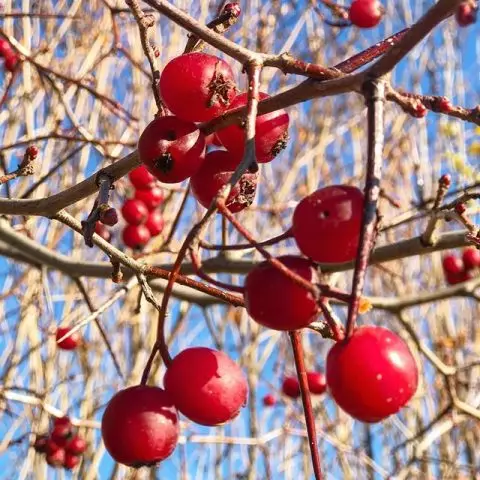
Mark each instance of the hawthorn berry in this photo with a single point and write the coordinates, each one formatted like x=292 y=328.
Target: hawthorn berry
x=141 y=178
x=136 y=236
x=155 y=223
x=372 y=374
x=275 y=301
x=61 y=434
x=109 y=217
x=317 y=383
x=206 y=385
x=102 y=231
x=140 y=426
x=471 y=258
x=215 y=173
x=5 y=48
x=205 y=90
x=327 y=223
x=269 y=400
x=71 y=461
x=56 y=459
x=271 y=132
x=172 y=149
x=291 y=387
x=134 y=212
x=11 y=61
x=76 y=445
x=466 y=13
x=365 y=13
x=51 y=446
x=40 y=444
x=152 y=198
x=64 y=421
x=71 y=342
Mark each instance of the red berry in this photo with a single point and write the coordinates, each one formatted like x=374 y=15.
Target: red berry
x=109 y=217
x=317 y=383
x=11 y=61
x=366 y=13
x=291 y=387
x=140 y=426
x=326 y=224
x=420 y=110
x=454 y=278
x=40 y=444
x=136 y=236
x=233 y=9
x=205 y=90
x=5 y=48
x=269 y=400
x=141 y=178
x=444 y=105
x=152 y=198
x=270 y=137
x=172 y=149
x=134 y=212
x=275 y=301
x=452 y=264
x=76 y=446
x=155 y=223
x=471 y=258
x=71 y=342
x=71 y=461
x=216 y=172
x=466 y=14
x=51 y=446
x=102 y=231
x=61 y=434
x=65 y=420
x=56 y=459
x=206 y=386
x=372 y=374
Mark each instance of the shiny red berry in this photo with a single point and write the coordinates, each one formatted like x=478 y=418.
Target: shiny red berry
x=275 y=301
x=452 y=264
x=206 y=385
x=155 y=223
x=5 y=48
x=466 y=13
x=326 y=224
x=134 y=212
x=317 y=382
x=152 y=198
x=102 y=231
x=136 y=236
x=109 y=217
x=141 y=178
x=271 y=133
x=291 y=387
x=51 y=446
x=61 y=434
x=71 y=342
x=471 y=258
x=172 y=149
x=56 y=459
x=366 y=13
x=71 y=461
x=205 y=90
x=140 y=426
x=215 y=173
x=62 y=421
x=76 y=445
x=11 y=61
x=372 y=374
x=269 y=400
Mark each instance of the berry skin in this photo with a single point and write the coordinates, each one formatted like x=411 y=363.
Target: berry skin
x=317 y=383
x=151 y=198
x=172 y=149
x=205 y=90
x=64 y=421
x=51 y=446
x=141 y=178
x=206 y=386
x=275 y=301
x=134 y=212
x=466 y=14
x=271 y=132
x=109 y=217
x=76 y=446
x=71 y=461
x=136 y=236
x=291 y=387
x=326 y=224
x=56 y=459
x=372 y=374
x=452 y=264
x=11 y=61
x=216 y=172
x=40 y=444
x=71 y=342
x=155 y=223
x=102 y=231
x=471 y=258
x=5 y=48
x=61 y=434
x=365 y=13
x=140 y=426
x=269 y=400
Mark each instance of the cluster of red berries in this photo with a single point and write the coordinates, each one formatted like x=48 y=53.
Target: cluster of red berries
x=143 y=217
x=365 y=13
x=461 y=269
x=62 y=447
x=10 y=58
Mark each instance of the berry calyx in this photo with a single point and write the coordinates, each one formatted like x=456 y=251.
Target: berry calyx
x=155 y=223
x=152 y=198
x=69 y=343
x=232 y=9
x=71 y=461
x=269 y=400
x=136 y=236
x=140 y=426
x=61 y=434
x=326 y=224
x=206 y=385
x=317 y=382
x=372 y=374
x=215 y=173
x=291 y=387
x=134 y=212
x=275 y=301
x=471 y=258
x=205 y=90
x=62 y=421
x=172 y=149
x=141 y=178
x=365 y=13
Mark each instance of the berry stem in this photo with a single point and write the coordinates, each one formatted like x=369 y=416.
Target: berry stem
x=245 y=246
x=374 y=92
x=296 y=340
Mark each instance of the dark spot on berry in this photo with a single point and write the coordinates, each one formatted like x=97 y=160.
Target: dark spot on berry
x=280 y=145
x=164 y=163
x=253 y=167
x=170 y=135
x=325 y=214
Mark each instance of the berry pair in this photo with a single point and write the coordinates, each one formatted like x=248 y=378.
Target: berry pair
x=317 y=384
x=62 y=447
x=458 y=269
x=10 y=58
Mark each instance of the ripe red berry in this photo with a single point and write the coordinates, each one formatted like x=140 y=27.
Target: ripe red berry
x=326 y=224
x=366 y=13
x=102 y=231
x=444 y=105
x=216 y=172
x=471 y=258
x=420 y=110
x=452 y=264
x=136 y=236
x=56 y=459
x=372 y=374
x=40 y=444
x=11 y=61
x=140 y=426
x=61 y=434
x=466 y=14
x=141 y=178
x=51 y=446
x=76 y=445
x=71 y=342
x=269 y=400
x=134 y=212
x=206 y=386
x=71 y=461
x=317 y=383
x=152 y=198
x=172 y=149
x=275 y=301
x=5 y=48
x=155 y=223
x=205 y=90
x=270 y=137
x=109 y=217
x=65 y=420
x=291 y=387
